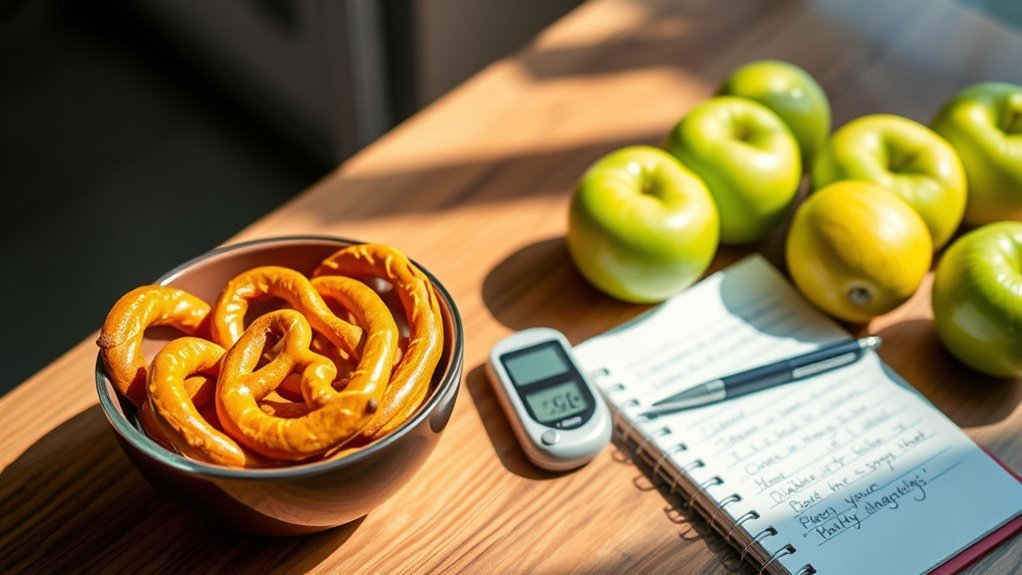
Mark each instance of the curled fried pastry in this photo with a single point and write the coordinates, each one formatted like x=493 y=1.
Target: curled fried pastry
x=174 y=407
x=241 y=386
x=199 y=388
x=228 y=319
x=412 y=375
x=120 y=340
x=379 y=348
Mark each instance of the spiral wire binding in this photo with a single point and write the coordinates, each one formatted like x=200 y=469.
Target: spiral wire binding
x=661 y=432
x=665 y=455
x=733 y=498
x=738 y=523
x=721 y=509
x=695 y=464
x=702 y=487
x=788 y=549
x=716 y=513
x=767 y=532
x=630 y=437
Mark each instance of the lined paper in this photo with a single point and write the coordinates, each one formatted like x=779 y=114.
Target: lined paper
x=853 y=468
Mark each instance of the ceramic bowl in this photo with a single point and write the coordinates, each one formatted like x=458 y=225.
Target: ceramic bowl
x=301 y=498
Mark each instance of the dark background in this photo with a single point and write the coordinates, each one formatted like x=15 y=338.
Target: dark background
x=122 y=156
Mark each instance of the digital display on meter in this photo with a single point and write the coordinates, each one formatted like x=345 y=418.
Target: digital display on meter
x=557 y=402
x=549 y=385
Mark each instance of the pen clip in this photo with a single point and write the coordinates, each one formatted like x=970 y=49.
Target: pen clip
x=825 y=365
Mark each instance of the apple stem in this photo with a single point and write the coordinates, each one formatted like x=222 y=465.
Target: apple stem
x=896 y=166
x=1014 y=122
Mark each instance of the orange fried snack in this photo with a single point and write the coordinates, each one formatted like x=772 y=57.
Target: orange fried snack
x=379 y=349
x=277 y=405
x=413 y=373
x=228 y=319
x=175 y=410
x=200 y=389
x=241 y=385
x=120 y=340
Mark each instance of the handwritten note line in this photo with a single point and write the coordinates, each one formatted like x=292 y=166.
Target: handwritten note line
x=860 y=479
x=839 y=446
x=813 y=437
x=730 y=441
x=870 y=446
x=890 y=501
x=809 y=431
x=875 y=466
x=788 y=412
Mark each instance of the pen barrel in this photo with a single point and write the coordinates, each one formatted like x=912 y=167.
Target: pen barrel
x=805 y=365
x=822 y=355
x=757 y=379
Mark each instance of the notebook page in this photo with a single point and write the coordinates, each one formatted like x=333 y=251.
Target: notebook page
x=853 y=468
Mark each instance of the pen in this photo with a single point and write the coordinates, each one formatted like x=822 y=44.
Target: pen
x=766 y=376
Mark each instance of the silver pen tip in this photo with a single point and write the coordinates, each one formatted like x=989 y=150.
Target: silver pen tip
x=871 y=342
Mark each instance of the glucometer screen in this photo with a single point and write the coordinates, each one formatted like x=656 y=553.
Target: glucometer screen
x=557 y=402
x=538 y=364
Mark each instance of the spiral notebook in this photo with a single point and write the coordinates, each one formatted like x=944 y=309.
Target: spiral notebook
x=849 y=471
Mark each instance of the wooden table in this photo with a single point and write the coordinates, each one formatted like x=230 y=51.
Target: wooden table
x=476 y=188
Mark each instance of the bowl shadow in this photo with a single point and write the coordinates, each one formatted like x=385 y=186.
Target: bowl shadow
x=498 y=428
x=74 y=502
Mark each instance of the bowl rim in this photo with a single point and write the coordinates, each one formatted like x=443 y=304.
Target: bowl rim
x=142 y=442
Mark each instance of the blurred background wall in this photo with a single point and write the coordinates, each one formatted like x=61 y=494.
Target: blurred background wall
x=135 y=134
x=334 y=75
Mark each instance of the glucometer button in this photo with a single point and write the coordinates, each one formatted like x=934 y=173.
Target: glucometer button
x=550 y=437
x=571 y=422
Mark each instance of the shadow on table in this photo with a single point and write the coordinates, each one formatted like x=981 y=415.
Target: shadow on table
x=108 y=518
x=968 y=397
x=492 y=176
x=498 y=428
x=537 y=285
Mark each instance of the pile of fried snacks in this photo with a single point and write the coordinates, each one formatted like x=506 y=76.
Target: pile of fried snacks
x=317 y=379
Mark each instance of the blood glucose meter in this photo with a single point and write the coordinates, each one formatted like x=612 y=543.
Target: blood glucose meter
x=557 y=414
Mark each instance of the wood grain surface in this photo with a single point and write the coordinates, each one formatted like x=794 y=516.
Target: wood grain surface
x=476 y=188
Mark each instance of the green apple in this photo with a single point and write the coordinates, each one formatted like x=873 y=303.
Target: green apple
x=641 y=227
x=904 y=157
x=984 y=123
x=977 y=299
x=749 y=160
x=792 y=93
